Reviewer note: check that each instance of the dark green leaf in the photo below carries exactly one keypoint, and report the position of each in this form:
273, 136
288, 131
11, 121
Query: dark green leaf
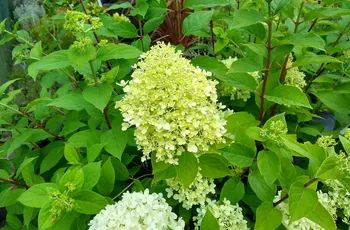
117, 51
187, 168
267, 217
213, 166
106, 183
89, 202
288, 96
98, 96
233, 190
197, 23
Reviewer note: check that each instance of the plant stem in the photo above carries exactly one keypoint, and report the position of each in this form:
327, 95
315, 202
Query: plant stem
267, 64
108, 121
14, 182
312, 24
285, 197
127, 187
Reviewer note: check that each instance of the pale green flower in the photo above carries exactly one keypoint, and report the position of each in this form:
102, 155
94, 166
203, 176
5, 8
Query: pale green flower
326, 141
120, 17
196, 193
274, 131
228, 216
77, 21
294, 76
82, 43
173, 106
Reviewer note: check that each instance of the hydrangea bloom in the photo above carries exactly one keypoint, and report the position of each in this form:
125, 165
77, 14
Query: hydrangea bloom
196, 193
274, 131
172, 104
139, 211
76, 21
229, 216
294, 76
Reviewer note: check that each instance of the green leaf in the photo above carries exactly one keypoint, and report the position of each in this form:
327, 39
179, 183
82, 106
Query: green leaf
161, 170
278, 5
303, 202
121, 171
38, 195
233, 190
187, 168
209, 222
114, 141
213, 166
239, 80
267, 217
4, 86
117, 51
85, 138
92, 173
54, 153
152, 24
141, 8
71, 154
263, 191
315, 59
346, 144
98, 96
45, 217
70, 101
288, 96
329, 169
106, 183
79, 56
197, 23
238, 155
336, 102
245, 65
269, 166
74, 176
113, 28
206, 3
93, 151
244, 18
116, 6
55, 60
89, 202
9, 196
305, 39
210, 64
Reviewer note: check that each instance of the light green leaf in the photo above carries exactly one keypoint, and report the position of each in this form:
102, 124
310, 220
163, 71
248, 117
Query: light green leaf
205, 3
152, 24
70, 101
98, 96
305, 39
74, 176
38, 195
263, 191
92, 173
238, 155
117, 51
244, 18
54, 153
267, 217
106, 183
187, 168
346, 144
269, 166
233, 190
55, 60
197, 23
329, 169
213, 166
89, 202
71, 154
209, 222
288, 96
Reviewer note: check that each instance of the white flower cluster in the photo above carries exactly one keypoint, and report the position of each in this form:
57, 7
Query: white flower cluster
294, 76
233, 92
339, 199
229, 216
173, 106
137, 211
196, 193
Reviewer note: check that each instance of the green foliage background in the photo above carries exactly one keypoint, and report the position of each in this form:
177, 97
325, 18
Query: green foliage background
65, 142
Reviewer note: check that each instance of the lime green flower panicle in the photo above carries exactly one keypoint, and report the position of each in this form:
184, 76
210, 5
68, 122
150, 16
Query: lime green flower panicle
294, 76
173, 106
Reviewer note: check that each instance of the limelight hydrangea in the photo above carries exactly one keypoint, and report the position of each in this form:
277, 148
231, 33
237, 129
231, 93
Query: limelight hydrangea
229, 216
303, 223
196, 193
173, 106
347, 133
76, 21
294, 76
274, 131
137, 211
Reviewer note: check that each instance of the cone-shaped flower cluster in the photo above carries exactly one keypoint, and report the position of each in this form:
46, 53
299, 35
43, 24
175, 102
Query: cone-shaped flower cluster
139, 211
172, 104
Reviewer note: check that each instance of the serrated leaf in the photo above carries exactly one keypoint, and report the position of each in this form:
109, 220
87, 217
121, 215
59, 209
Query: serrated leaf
71, 154
213, 166
89, 202
263, 191
238, 155
70, 101
106, 183
38, 195
288, 96
152, 24
117, 51
209, 222
244, 18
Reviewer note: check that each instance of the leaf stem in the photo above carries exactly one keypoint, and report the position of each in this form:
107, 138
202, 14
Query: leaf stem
14, 182
285, 197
